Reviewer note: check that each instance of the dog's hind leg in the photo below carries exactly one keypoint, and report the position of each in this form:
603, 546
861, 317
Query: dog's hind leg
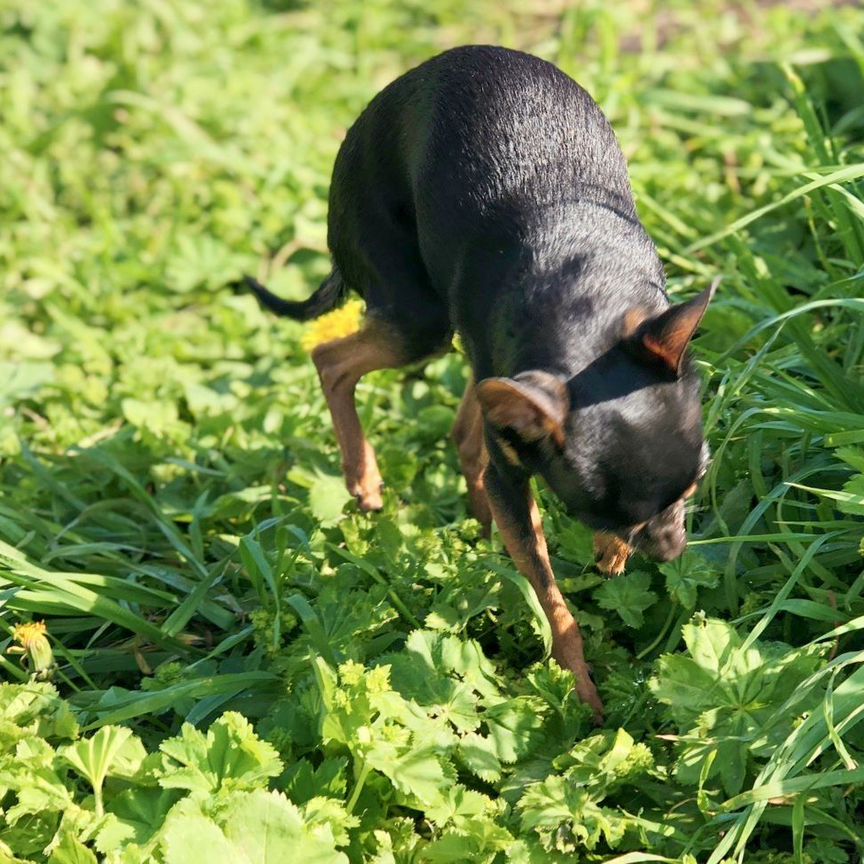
471, 447
341, 364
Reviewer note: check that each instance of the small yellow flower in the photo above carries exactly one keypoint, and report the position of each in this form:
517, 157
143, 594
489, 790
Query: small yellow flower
378, 680
34, 643
351, 673
334, 325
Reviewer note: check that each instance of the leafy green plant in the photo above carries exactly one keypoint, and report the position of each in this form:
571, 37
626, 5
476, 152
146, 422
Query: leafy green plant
724, 697
202, 792
232, 655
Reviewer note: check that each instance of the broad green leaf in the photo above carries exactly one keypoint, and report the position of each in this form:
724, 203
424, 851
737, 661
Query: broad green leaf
724, 696
139, 812
303, 782
686, 576
419, 773
327, 498
230, 755
113, 750
250, 828
628, 595
71, 851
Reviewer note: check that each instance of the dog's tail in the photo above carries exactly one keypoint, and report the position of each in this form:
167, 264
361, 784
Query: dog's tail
331, 292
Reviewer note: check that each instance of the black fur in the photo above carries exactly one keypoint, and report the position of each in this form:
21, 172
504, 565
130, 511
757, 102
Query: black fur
484, 192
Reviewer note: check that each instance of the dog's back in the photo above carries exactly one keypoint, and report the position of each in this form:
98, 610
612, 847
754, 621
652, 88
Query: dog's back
478, 137
472, 167
505, 128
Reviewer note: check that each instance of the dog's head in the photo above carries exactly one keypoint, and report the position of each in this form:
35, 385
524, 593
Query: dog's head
620, 443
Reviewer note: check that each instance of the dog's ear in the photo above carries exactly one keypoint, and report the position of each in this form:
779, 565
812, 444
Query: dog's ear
533, 405
665, 337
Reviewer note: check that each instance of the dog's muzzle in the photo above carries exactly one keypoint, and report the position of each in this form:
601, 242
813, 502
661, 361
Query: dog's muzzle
662, 537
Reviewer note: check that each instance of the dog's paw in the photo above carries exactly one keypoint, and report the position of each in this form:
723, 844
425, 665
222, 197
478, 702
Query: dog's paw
611, 553
368, 495
370, 503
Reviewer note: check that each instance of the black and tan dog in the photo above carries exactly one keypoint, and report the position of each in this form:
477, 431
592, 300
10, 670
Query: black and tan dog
484, 192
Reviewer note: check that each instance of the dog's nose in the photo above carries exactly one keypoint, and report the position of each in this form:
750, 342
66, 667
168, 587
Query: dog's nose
670, 550
664, 539
666, 542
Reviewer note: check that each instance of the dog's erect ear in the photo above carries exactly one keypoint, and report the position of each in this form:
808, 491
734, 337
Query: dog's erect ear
665, 337
532, 404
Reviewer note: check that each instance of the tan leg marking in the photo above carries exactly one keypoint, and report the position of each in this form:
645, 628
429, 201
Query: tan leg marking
611, 553
341, 364
471, 446
518, 520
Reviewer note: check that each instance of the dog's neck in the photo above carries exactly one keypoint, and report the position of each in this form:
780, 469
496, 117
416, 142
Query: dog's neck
543, 310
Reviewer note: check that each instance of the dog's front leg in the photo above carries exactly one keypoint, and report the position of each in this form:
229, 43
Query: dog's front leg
518, 520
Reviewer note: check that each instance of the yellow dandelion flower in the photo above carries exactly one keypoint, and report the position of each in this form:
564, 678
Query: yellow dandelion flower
34, 643
27, 634
334, 325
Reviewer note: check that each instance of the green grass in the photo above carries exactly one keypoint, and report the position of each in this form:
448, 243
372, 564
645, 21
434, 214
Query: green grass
170, 503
